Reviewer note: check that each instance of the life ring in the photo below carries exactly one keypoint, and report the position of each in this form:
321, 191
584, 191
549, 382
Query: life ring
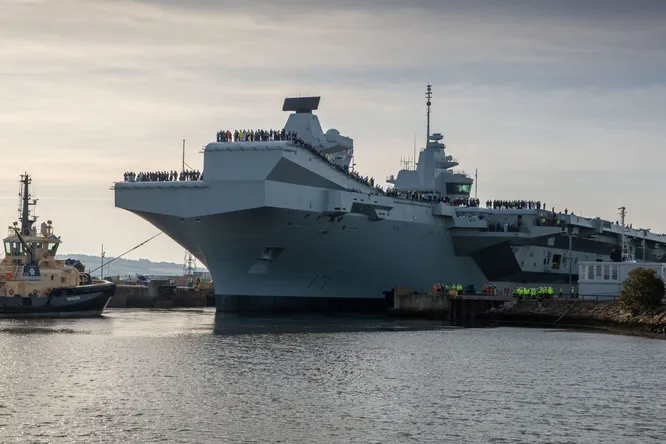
10, 292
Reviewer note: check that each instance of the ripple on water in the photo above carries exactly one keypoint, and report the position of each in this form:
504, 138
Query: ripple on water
147, 376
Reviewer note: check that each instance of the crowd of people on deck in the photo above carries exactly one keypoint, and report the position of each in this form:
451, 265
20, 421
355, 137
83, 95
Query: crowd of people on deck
549, 221
277, 135
163, 176
255, 135
515, 204
505, 227
469, 202
365, 180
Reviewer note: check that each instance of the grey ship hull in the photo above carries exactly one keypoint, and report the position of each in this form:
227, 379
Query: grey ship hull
273, 259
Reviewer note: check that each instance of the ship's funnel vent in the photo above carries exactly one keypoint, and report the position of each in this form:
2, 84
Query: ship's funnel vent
301, 104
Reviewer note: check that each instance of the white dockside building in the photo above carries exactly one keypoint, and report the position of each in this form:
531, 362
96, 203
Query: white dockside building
603, 280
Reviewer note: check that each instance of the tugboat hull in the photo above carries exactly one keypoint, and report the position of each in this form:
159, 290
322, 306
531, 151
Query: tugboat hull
83, 301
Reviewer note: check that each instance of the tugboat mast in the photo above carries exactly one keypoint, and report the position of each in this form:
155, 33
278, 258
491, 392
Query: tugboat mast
24, 211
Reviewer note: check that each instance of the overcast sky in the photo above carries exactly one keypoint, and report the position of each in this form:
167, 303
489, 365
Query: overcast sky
560, 101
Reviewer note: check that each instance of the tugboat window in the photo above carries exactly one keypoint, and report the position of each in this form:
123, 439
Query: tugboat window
16, 249
52, 249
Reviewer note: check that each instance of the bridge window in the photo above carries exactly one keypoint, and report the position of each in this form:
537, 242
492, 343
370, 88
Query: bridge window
53, 247
458, 188
13, 248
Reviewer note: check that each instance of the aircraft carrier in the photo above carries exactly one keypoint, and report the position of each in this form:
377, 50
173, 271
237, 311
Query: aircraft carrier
284, 223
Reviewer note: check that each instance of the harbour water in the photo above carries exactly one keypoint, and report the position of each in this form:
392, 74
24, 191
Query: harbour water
142, 376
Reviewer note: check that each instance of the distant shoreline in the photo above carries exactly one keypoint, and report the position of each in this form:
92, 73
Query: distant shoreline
129, 267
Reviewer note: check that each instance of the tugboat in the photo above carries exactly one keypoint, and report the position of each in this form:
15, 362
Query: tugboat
33, 283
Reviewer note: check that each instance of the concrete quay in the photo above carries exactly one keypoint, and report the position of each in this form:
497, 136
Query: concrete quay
457, 310
607, 315
159, 295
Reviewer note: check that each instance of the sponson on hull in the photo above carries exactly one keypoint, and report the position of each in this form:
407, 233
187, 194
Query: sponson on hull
283, 221
34, 284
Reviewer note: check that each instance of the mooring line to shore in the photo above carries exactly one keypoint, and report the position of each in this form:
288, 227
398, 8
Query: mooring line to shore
564, 314
128, 251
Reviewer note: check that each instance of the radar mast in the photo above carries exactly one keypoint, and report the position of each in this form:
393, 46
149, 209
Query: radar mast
428, 103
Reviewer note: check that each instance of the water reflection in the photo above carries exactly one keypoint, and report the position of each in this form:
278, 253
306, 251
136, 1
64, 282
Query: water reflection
39, 330
230, 324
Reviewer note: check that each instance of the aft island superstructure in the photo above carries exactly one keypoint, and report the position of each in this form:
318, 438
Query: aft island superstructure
282, 221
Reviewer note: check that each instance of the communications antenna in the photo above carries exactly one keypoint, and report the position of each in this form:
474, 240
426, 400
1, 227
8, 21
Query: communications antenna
26, 215
624, 243
190, 265
414, 150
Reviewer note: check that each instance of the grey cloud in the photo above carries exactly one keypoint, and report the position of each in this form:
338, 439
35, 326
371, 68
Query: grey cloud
547, 89
588, 9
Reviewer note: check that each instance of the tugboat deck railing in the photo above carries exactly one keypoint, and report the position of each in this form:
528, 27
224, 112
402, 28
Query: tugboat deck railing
10, 271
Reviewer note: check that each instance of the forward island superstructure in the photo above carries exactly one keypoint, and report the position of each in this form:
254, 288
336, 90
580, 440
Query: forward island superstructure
282, 221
